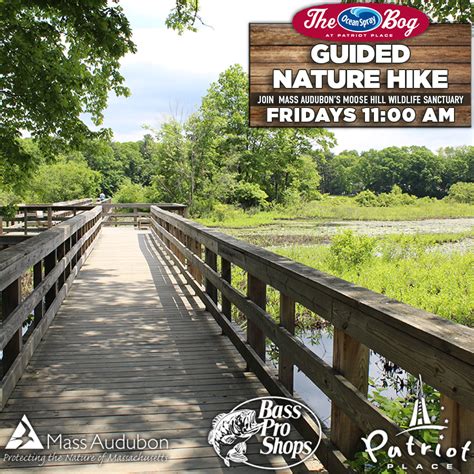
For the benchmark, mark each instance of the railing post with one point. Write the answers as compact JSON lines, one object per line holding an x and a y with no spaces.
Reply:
{"x":226,"y":273}
{"x":60,"y":252}
{"x":49,"y":264}
{"x":287,"y":320}
{"x":25,"y":219}
{"x":67,"y":248}
{"x":167,"y":241}
{"x":460,"y":430}
{"x":174,"y":249}
{"x":189,"y":266}
{"x":211,"y":260}
{"x":197,"y":250}
{"x":74,"y":257}
{"x":37,"y":279}
{"x":11,"y":297}
{"x":81,"y":247}
{"x":50,"y":217}
{"x":351,"y":359}
{"x":179,"y":236}
{"x":257,"y":292}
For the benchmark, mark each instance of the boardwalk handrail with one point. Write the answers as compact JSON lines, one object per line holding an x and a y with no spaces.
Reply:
{"x":136,"y":212}
{"x":439,"y":350}
{"x":55,"y":257}
{"x":53,"y":212}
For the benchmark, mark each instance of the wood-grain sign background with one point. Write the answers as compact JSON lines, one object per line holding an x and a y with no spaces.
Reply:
{"x":441,"y":46}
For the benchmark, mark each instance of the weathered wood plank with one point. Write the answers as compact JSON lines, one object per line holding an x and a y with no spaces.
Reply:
{"x":341,"y":391}
{"x":285,"y":363}
{"x":15,"y":261}
{"x":351,"y":359}
{"x":285,"y":34}
{"x":446,"y":358}
{"x":331,"y":458}
{"x":132,"y":351}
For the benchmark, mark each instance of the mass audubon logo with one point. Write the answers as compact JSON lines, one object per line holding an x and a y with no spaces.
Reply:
{"x":420,"y":421}
{"x":24,"y":436}
{"x":269,"y":420}
{"x":95,"y":448}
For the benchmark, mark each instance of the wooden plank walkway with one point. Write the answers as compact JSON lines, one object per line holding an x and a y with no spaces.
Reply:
{"x":132,"y":351}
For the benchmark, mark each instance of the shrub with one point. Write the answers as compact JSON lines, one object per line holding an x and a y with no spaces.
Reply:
{"x":249,"y":195}
{"x":8,"y":205}
{"x":224,"y":211}
{"x":130,"y":192}
{"x":64,"y":181}
{"x":367,"y":199}
{"x":396,"y":197}
{"x":462,"y":192}
{"x":349,"y":250}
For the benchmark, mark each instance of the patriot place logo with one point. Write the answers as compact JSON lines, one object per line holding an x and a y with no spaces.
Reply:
{"x":377,"y":441}
{"x":261,"y":428}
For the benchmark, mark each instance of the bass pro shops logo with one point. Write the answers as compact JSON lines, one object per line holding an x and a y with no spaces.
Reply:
{"x":260,"y":428}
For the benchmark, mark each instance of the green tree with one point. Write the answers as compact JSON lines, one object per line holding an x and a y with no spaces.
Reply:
{"x":184,"y":16}
{"x":462,"y":192}
{"x":64,"y":181}
{"x":420,"y":172}
{"x":100,"y":157}
{"x":225,"y":149}
{"x":58,"y":61}
{"x":458,"y":165}
{"x":132,"y":161}
{"x":172,"y":178}
{"x":130,"y":192}
{"x":346,"y":173}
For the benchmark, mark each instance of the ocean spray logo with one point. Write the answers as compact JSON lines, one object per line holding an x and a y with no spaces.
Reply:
{"x":420,"y":420}
{"x":359,"y":19}
{"x":360,"y":22}
{"x":270,"y":418}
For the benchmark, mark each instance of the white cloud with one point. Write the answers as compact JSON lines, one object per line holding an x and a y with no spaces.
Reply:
{"x":171,"y":71}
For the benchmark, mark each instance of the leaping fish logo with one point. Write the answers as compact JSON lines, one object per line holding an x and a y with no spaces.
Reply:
{"x":227,"y":428}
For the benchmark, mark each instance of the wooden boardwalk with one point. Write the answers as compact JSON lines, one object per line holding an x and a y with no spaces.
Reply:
{"x":131,"y":351}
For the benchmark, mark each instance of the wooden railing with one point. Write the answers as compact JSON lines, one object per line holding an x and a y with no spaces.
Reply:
{"x":35,"y":276}
{"x":33,"y":218}
{"x":421,"y":343}
{"x":137,"y":214}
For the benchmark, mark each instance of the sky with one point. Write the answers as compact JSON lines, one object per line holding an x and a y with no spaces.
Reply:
{"x":170,"y":73}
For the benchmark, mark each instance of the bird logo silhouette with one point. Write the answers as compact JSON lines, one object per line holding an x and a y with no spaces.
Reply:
{"x":24,"y":436}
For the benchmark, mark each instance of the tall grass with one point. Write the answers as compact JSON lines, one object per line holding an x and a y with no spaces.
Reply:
{"x":408,"y":269}
{"x":338,"y":208}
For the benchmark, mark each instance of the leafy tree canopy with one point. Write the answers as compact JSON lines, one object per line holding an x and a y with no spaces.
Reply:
{"x":69,"y":178}
{"x":184,"y":16}
{"x":59,"y":59}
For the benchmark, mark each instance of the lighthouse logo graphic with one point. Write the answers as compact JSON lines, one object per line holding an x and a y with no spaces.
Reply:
{"x":420,"y":419}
